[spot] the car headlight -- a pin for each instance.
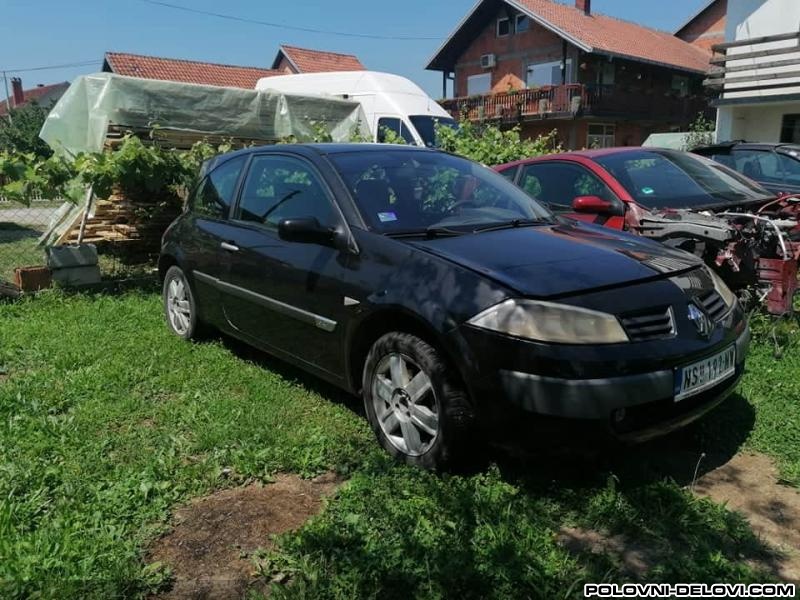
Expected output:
(722, 288)
(549, 322)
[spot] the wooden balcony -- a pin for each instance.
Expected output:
(574, 100)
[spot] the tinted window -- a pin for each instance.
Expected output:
(558, 184)
(426, 127)
(791, 167)
(395, 125)
(214, 196)
(402, 190)
(666, 179)
(281, 187)
(759, 165)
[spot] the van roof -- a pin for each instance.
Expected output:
(352, 81)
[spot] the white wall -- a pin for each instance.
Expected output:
(748, 19)
(753, 122)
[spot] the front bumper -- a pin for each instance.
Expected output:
(599, 398)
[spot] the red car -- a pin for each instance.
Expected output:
(750, 235)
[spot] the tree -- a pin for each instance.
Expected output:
(701, 133)
(21, 133)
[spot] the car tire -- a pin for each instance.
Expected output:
(180, 308)
(415, 404)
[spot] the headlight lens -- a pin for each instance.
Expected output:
(549, 322)
(722, 288)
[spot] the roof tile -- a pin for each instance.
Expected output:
(317, 61)
(606, 34)
(186, 71)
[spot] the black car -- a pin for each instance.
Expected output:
(446, 296)
(775, 166)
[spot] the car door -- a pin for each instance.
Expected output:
(285, 295)
(558, 183)
(208, 220)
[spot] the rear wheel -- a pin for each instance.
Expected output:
(180, 307)
(415, 405)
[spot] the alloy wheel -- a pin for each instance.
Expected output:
(178, 308)
(405, 404)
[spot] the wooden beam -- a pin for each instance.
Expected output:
(756, 88)
(766, 77)
(791, 62)
(759, 54)
(759, 40)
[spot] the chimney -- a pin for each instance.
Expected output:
(18, 95)
(584, 5)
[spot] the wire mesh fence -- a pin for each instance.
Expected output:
(22, 227)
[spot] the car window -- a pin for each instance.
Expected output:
(758, 165)
(669, 179)
(412, 190)
(214, 195)
(724, 159)
(282, 187)
(510, 174)
(791, 168)
(559, 183)
(396, 125)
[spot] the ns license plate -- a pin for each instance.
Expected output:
(704, 374)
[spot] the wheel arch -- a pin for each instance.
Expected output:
(384, 321)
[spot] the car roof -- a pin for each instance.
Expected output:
(310, 149)
(582, 155)
(742, 145)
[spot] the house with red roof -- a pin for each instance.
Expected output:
(290, 59)
(43, 95)
(598, 80)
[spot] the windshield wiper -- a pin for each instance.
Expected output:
(430, 232)
(515, 224)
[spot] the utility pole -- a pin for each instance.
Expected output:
(8, 98)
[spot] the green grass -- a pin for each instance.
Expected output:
(107, 423)
(18, 248)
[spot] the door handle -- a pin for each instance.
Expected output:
(229, 247)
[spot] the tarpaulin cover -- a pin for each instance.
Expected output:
(79, 121)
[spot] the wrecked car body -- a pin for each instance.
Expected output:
(746, 233)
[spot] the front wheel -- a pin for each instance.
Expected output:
(180, 307)
(415, 405)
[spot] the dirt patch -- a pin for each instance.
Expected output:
(749, 485)
(212, 537)
(634, 559)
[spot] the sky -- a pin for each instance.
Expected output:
(44, 33)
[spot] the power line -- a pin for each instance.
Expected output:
(291, 27)
(85, 63)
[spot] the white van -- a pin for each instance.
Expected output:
(388, 101)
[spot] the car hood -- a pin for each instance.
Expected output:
(561, 259)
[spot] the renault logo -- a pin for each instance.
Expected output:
(700, 320)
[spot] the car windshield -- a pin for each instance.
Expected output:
(426, 127)
(668, 179)
(407, 191)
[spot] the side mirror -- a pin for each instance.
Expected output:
(307, 230)
(592, 204)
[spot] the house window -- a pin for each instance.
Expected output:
(503, 27)
(601, 135)
(479, 84)
(680, 85)
(790, 130)
(547, 73)
(522, 23)
(606, 74)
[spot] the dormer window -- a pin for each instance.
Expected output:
(522, 23)
(503, 27)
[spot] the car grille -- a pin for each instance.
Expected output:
(713, 305)
(649, 326)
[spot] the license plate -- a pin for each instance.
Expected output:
(704, 374)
